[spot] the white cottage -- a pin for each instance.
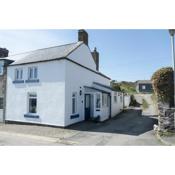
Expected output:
(60, 86)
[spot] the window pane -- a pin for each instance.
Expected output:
(32, 95)
(1, 103)
(115, 99)
(120, 98)
(17, 74)
(21, 74)
(103, 99)
(73, 105)
(35, 73)
(97, 100)
(143, 87)
(87, 102)
(30, 73)
(32, 105)
(108, 101)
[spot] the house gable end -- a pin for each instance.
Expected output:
(83, 56)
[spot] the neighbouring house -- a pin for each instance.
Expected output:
(3, 76)
(60, 86)
(144, 86)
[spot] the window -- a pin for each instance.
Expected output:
(32, 73)
(104, 99)
(143, 87)
(115, 97)
(97, 100)
(19, 74)
(74, 103)
(121, 98)
(1, 102)
(32, 101)
(108, 101)
(1, 68)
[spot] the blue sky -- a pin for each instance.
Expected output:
(127, 55)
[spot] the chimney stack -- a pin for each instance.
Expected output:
(3, 52)
(95, 55)
(83, 36)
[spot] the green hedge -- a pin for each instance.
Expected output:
(162, 81)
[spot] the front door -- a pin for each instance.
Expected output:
(87, 106)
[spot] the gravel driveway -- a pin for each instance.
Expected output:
(128, 128)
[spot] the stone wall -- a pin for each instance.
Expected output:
(166, 118)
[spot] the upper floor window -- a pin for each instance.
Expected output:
(143, 87)
(32, 73)
(19, 74)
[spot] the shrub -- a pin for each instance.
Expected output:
(134, 102)
(145, 104)
(162, 81)
(116, 87)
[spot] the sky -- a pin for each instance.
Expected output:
(125, 55)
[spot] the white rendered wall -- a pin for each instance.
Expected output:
(50, 94)
(76, 77)
(82, 55)
(116, 107)
(127, 100)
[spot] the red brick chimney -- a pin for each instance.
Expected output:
(95, 55)
(83, 36)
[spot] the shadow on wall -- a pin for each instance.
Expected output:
(134, 102)
(130, 122)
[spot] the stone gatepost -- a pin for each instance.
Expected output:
(166, 118)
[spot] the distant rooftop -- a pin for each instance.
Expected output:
(144, 81)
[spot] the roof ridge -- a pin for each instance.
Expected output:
(44, 48)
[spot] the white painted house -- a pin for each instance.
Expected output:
(60, 86)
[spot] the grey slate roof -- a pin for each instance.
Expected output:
(48, 54)
(144, 82)
(45, 54)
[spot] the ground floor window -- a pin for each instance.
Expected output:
(98, 101)
(121, 98)
(32, 101)
(104, 99)
(115, 98)
(1, 102)
(74, 103)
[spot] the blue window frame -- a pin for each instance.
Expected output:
(19, 74)
(33, 73)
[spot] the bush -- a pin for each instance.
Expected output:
(145, 104)
(162, 81)
(116, 87)
(134, 102)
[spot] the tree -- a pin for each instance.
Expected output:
(163, 86)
